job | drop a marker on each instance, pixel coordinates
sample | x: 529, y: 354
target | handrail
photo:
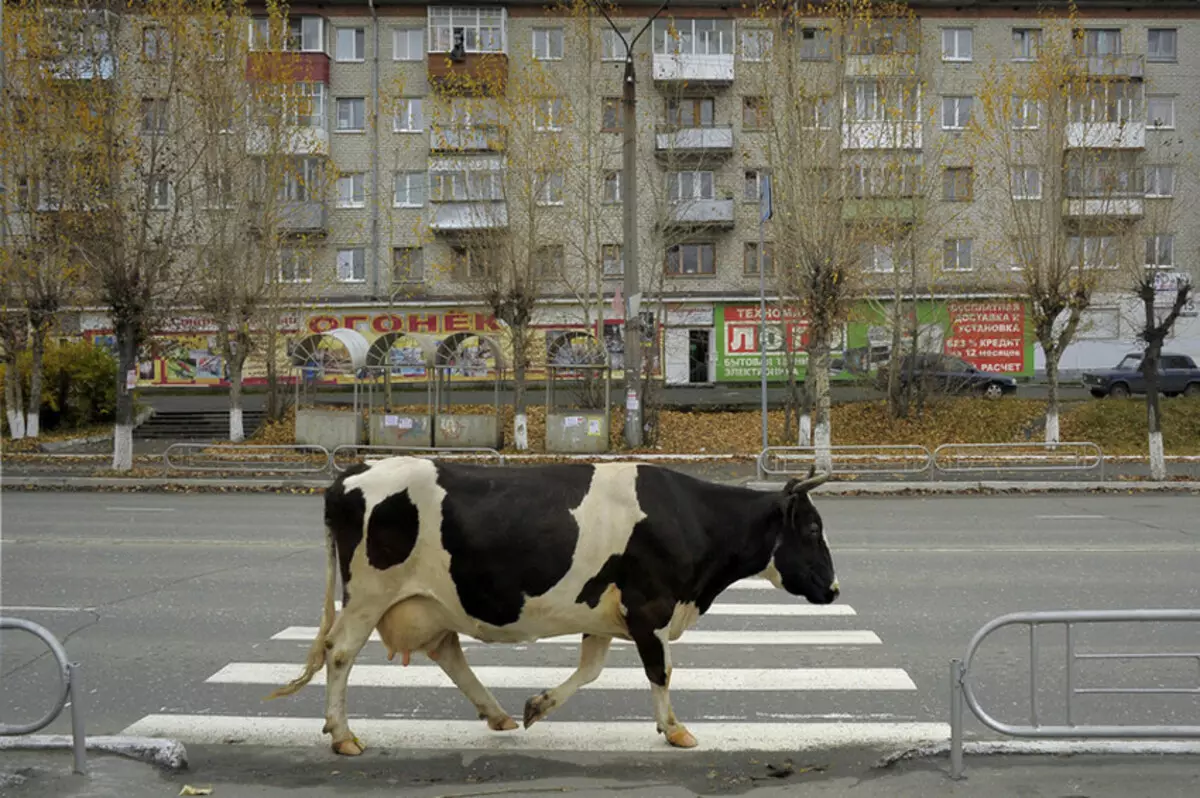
x: 251, y: 452
x: 1086, y: 456
x: 428, y: 452
x: 882, y: 453
x: 69, y: 680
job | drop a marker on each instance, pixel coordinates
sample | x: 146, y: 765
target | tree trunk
x: 520, y: 420
x: 1052, y: 356
x: 804, y: 427
x: 36, y: 371
x: 13, y: 403
x: 274, y: 411
x: 818, y: 377
x: 897, y: 397
x: 237, y: 432
x: 1158, y: 460
x: 127, y: 346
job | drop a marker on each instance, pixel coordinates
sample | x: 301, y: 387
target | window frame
x: 1156, y: 241
x: 358, y: 258
x: 340, y: 201
x: 1019, y: 178
x: 359, y: 44
x: 408, y: 252
x: 412, y: 177
x: 956, y: 32
x: 768, y: 258
x: 1157, y: 169
x: 404, y: 112
x: 957, y: 100
x: 701, y: 248
x: 1031, y: 36
x: 766, y: 44
x: 611, y: 178
x: 605, y: 260
x: 1173, y: 57
x: 1170, y: 100
x: 951, y: 177
x: 957, y: 243
x: 408, y: 31
x: 337, y: 115
x: 548, y: 36
x: 470, y: 19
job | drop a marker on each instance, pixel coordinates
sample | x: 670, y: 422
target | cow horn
x: 813, y: 480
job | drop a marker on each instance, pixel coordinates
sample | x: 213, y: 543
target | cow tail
x: 316, y: 654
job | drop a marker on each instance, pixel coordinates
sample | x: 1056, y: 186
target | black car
x: 1177, y: 374
x: 949, y: 374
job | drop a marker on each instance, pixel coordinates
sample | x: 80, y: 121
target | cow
x: 429, y: 550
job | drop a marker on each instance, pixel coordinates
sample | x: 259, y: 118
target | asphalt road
x: 186, y: 610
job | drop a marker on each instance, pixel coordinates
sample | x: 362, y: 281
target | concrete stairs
x: 196, y: 425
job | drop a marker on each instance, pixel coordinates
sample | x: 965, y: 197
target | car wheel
x: 1192, y: 391
x: 993, y: 390
x: 1099, y: 394
x: 1119, y: 391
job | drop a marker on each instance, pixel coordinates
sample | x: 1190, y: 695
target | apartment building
x: 413, y: 177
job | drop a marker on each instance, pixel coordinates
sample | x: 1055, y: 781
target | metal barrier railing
x: 428, y: 452
x: 962, y: 693
x: 1065, y: 456
x: 69, y: 677
x: 861, y: 459
x: 283, y: 458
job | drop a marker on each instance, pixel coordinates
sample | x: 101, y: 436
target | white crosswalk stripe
x: 747, y: 667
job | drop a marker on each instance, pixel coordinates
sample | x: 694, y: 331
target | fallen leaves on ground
x: 1118, y: 426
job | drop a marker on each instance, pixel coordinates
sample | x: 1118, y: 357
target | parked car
x: 949, y: 374
x: 1177, y: 374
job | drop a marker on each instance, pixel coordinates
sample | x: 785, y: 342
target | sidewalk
x: 234, y: 772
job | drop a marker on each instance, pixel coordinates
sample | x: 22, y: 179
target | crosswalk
x: 755, y: 674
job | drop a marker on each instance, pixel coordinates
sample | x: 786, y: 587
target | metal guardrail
x: 860, y: 459
x: 428, y: 452
x: 69, y: 678
x: 1066, y: 456
x: 303, y: 459
x: 962, y: 693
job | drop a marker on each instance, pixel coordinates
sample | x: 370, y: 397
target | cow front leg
x: 349, y: 634
x: 655, y: 653
x: 449, y: 655
x: 592, y: 654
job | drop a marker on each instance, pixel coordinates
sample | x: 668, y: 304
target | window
x: 1096, y: 252
x: 408, y: 44
x: 547, y: 44
x: 1024, y: 254
x: 309, y: 105
x: 957, y: 44
x: 548, y: 260
x: 956, y: 112
x: 956, y: 255
x: 408, y: 265
x: 1160, y: 251
x: 750, y: 258
x: 351, y: 114
x: 470, y: 262
x: 1105, y: 177
x: 351, y: 44
x: 692, y: 259
x: 160, y: 193
x: 302, y: 181
x: 154, y: 117
x: 691, y: 112
x: 154, y: 43
x: 409, y: 116
x: 1027, y: 113
x: 1107, y: 102
x: 465, y: 185
x: 816, y: 113
x: 550, y: 188
x: 475, y: 30
x: 958, y: 183
x: 1026, y: 182
x: 1161, y: 45
x: 352, y: 265
x: 1160, y: 111
x: 1160, y: 181
x: 878, y: 258
x: 303, y: 34
x: 756, y: 44
x: 352, y: 190
x: 218, y: 189
x: 693, y: 36
x: 550, y: 114
x: 754, y: 113
x: 294, y: 267
x: 814, y: 44
x: 689, y: 186
x: 408, y: 190
x: 1027, y: 44
x: 612, y: 115
x: 1100, y: 41
x: 611, y: 192
x: 612, y: 46
x: 754, y: 183
x: 878, y: 101
x: 612, y: 261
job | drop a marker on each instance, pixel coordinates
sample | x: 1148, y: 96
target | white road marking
x: 694, y: 637
x: 1069, y: 517
x: 765, y: 610
x: 550, y: 735
x: 140, y: 509
x: 44, y: 609
x: 538, y: 678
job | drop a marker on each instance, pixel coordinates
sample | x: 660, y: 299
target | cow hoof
x: 502, y: 724
x: 536, y: 708
x: 681, y: 738
x: 351, y: 747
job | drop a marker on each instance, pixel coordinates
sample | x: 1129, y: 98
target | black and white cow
x: 431, y: 550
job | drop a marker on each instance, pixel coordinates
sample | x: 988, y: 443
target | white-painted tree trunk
x: 823, y: 439
x: 521, y: 431
x: 123, y: 447
x: 16, y: 424
x: 1158, y: 460
x: 31, y: 423
x: 804, y: 437
x: 237, y: 432
x: 1052, y: 425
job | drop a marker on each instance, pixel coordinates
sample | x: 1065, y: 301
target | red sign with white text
x: 988, y: 335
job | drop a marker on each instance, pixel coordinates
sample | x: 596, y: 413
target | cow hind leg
x: 655, y: 653
x: 449, y: 655
x: 349, y: 634
x: 591, y: 662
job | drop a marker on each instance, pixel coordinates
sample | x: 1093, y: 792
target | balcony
x: 1128, y: 135
x: 1125, y: 206
x: 1129, y: 67
x: 303, y: 217
x: 868, y: 209
x: 886, y: 135
x: 710, y: 140
x: 474, y: 75
x: 287, y: 67
x: 466, y: 138
x: 701, y: 213
x: 883, y: 65
x: 293, y: 140
x: 450, y: 217
x: 101, y: 67
x: 705, y: 70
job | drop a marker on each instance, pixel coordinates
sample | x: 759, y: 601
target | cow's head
x: 801, y: 563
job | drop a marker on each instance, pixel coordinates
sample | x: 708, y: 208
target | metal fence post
x: 78, y: 740
x: 956, y: 719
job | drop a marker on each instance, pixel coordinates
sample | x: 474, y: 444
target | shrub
x: 79, y: 387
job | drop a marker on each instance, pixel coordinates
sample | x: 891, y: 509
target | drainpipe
x: 377, y: 192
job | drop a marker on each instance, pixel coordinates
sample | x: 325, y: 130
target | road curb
x: 159, y: 751
x: 1047, y: 747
